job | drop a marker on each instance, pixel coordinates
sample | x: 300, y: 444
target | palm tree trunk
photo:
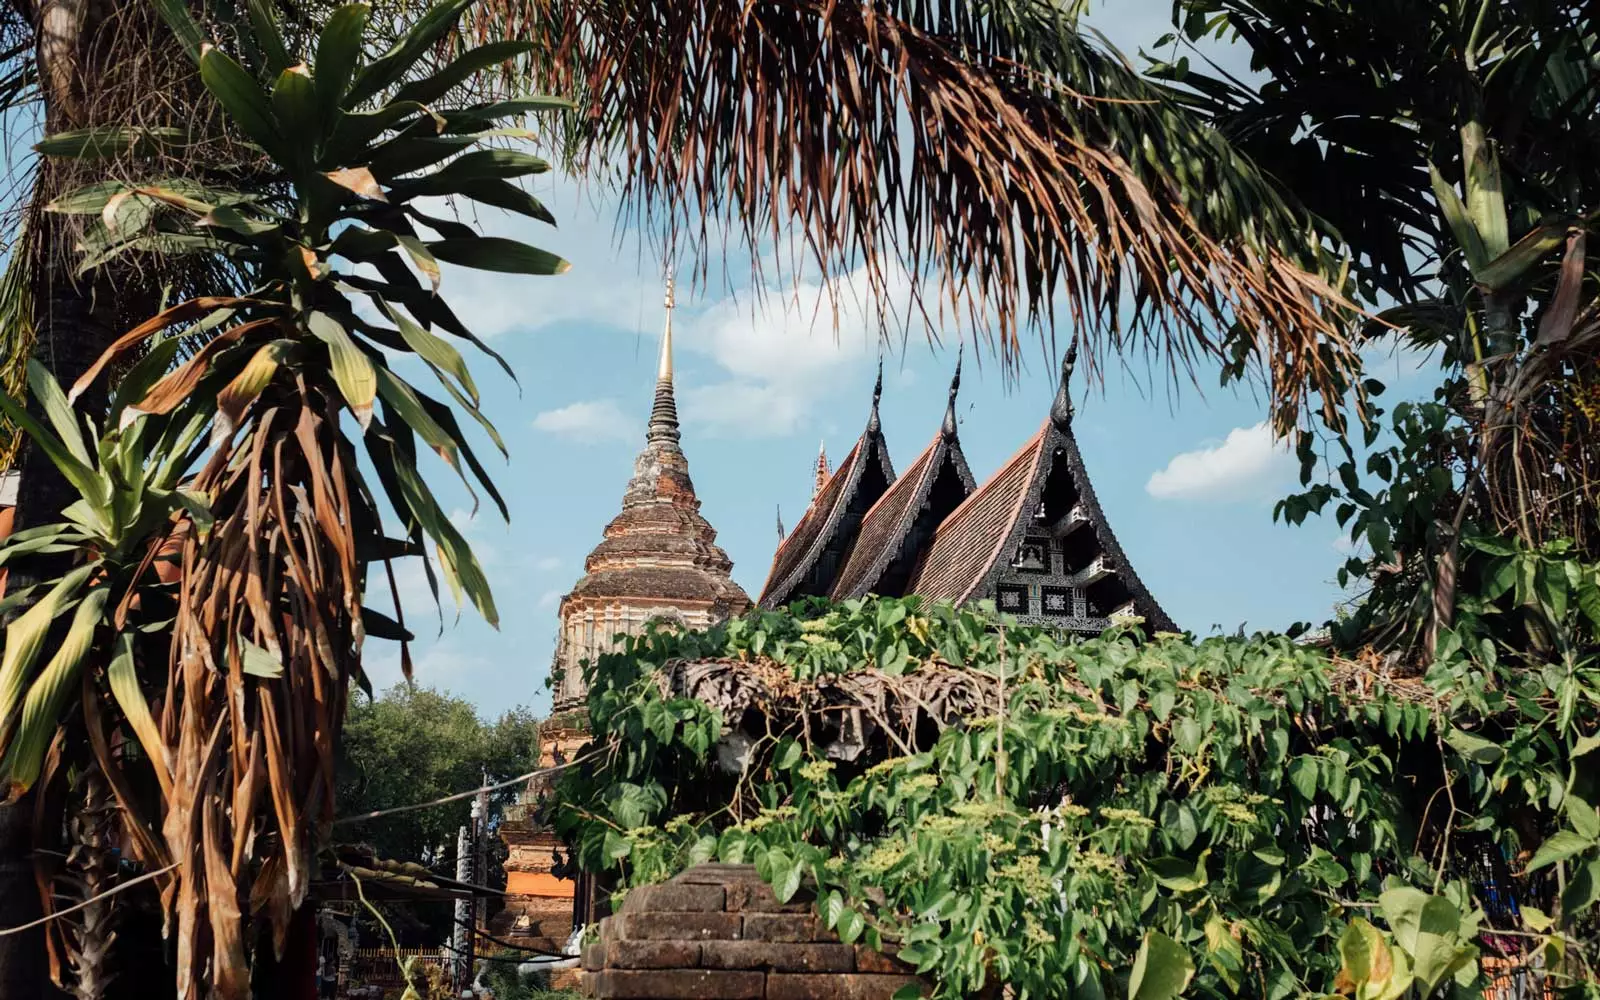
x: 73, y: 324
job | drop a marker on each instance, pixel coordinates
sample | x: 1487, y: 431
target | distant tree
x: 413, y: 745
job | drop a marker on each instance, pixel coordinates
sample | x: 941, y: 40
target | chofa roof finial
x: 1061, y: 409
x: 949, y: 428
x: 874, y: 425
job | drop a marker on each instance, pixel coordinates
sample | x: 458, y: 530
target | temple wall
x: 589, y: 629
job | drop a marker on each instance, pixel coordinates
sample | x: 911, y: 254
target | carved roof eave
x: 870, y: 448
x: 946, y: 449
x: 1053, y: 438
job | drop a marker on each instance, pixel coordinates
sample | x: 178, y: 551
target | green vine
x: 1230, y: 817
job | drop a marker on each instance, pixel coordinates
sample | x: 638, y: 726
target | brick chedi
x: 659, y: 559
x: 657, y: 562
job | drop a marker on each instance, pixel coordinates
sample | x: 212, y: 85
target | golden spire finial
x: 665, y: 372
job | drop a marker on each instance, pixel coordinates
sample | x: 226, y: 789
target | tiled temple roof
x: 880, y: 561
x: 970, y: 539
x: 810, y: 557
x: 971, y: 549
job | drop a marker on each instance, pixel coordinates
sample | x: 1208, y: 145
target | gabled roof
x: 935, y: 484
x: 808, y: 560
x: 970, y: 549
x: 970, y: 540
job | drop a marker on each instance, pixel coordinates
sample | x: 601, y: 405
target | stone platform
x: 717, y: 932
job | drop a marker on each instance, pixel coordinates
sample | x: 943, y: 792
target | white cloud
x: 547, y: 564
x: 550, y: 598
x: 1347, y: 546
x: 782, y: 353
x: 589, y: 420
x: 744, y: 409
x: 1249, y: 465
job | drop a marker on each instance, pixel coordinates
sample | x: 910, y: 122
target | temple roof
x: 1044, y: 481
x: 885, y: 550
x: 808, y: 560
x: 971, y: 539
x: 659, y: 547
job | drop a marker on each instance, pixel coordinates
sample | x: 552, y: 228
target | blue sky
x: 1188, y: 478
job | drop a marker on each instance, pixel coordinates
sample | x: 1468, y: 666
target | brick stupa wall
x: 717, y: 932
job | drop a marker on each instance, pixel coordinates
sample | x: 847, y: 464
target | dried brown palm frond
x: 273, y: 587
x: 989, y: 152
x: 1541, y: 468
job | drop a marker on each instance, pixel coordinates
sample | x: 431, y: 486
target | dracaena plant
x: 232, y: 450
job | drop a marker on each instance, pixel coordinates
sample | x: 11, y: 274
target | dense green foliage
x: 1232, y: 810
x: 413, y: 745
x: 1450, y: 146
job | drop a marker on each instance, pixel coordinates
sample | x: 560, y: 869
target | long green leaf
x: 1506, y: 269
x: 429, y: 347
x: 42, y: 710
x: 124, y: 682
x: 473, y: 119
x: 352, y: 369
x: 496, y: 253
x: 468, y: 63
x: 456, y: 556
x: 25, y: 637
x: 355, y: 132
x: 1461, y: 224
x: 473, y: 168
x: 446, y: 419
x: 83, y: 478
x: 264, y: 25
x: 394, y: 64
x: 108, y: 142
x: 409, y: 153
x: 402, y: 402
x: 338, y: 51
x: 295, y: 103
x: 243, y: 99
x: 176, y: 14
x: 58, y: 411
x: 504, y: 194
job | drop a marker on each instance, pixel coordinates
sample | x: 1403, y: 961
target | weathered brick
x: 868, y: 960
x: 681, y: 984
x: 758, y: 896
x: 669, y: 898
x: 594, y: 956
x: 677, y: 926
x: 717, y: 874
x: 856, y: 986
x: 781, y: 957
x: 653, y: 954
x: 784, y: 927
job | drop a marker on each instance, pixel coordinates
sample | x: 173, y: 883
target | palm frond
x: 992, y: 153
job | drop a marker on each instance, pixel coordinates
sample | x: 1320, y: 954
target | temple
x: 1033, y: 539
x: 810, y: 558
x: 657, y: 561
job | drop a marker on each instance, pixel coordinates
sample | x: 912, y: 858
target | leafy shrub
x: 1230, y: 817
